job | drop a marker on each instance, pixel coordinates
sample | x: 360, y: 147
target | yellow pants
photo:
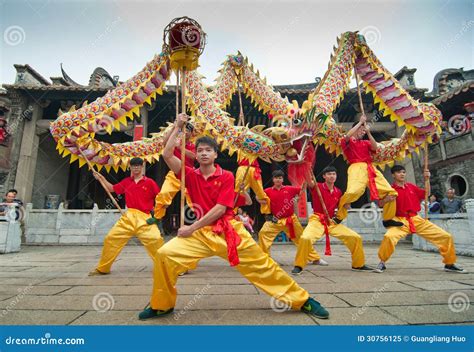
x: 425, y: 229
x: 133, y: 222
x: 357, y: 181
x: 181, y: 254
x: 270, y: 230
x: 170, y: 187
x: 315, y: 230
x: 255, y: 185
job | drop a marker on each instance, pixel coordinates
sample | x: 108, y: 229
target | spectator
x: 247, y: 221
x: 8, y: 203
x: 434, y: 207
x: 15, y: 192
x: 238, y: 216
x: 450, y: 204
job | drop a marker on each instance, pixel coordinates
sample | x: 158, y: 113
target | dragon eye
x: 297, y: 121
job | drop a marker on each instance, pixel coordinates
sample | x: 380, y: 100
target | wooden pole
x: 427, y: 180
x: 183, y: 146
x: 100, y: 181
x: 320, y: 197
x: 361, y: 104
x: 241, y: 111
x: 323, y: 205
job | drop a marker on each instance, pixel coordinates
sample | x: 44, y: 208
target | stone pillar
x: 25, y: 172
x: 469, y: 204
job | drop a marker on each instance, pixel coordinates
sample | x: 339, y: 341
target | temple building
x: 30, y: 163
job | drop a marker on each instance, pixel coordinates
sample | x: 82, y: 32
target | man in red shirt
x: 140, y: 192
x: 408, y: 205
x: 361, y: 173
x: 283, y: 217
x: 319, y: 225
x: 172, y: 185
x: 216, y: 232
x: 250, y: 176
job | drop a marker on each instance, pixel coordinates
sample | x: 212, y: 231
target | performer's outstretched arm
x: 214, y: 214
x: 373, y: 142
x: 353, y: 130
x: 97, y: 176
x: 248, y: 200
x: 173, y: 162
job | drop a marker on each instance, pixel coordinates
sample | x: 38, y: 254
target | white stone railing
x: 459, y: 225
x: 89, y: 227
x: 68, y: 226
x: 10, y: 236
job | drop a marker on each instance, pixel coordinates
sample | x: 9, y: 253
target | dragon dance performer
x: 319, y: 224
x: 361, y: 173
x: 249, y: 174
x: 283, y: 217
x: 140, y: 192
x: 408, y: 205
x: 171, y: 185
x: 216, y: 233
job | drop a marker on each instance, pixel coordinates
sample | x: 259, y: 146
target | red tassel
x: 328, y: 245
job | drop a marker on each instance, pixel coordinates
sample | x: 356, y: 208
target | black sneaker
x: 315, y: 308
x: 149, y: 313
x: 380, y: 268
x: 392, y: 223
x: 453, y: 268
x: 363, y: 268
x: 297, y: 270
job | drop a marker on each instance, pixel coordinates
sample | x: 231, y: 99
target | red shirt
x: 240, y: 200
x: 140, y: 195
x: 205, y: 194
x: 245, y: 162
x: 408, y: 199
x: 331, y: 199
x: 356, y: 150
x: 188, y: 161
x: 282, y: 200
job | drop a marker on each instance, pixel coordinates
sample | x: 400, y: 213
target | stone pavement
x: 49, y: 285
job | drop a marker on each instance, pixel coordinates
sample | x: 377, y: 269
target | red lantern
x: 184, y: 40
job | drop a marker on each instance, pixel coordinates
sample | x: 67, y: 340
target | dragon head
x: 296, y: 130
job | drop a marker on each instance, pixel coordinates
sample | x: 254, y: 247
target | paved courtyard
x: 49, y: 285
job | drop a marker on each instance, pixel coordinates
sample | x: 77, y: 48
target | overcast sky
x: 288, y: 41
